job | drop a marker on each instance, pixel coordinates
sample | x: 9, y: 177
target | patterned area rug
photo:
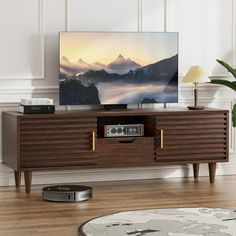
x: 164, y: 222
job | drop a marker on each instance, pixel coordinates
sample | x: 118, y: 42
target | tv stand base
x: 211, y: 168
x: 75, y: 140
x: 28, y: 176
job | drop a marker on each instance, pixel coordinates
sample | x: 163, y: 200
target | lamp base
x: 196, y: 108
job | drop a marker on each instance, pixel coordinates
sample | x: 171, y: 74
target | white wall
x: 29, y: 54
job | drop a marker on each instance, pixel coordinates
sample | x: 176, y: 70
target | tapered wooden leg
x: 212, y: 171
x: 17, y: 175
x: 28, y: 180
x: 196, y: 170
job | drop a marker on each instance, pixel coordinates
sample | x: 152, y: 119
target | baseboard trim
x: 81, y: 176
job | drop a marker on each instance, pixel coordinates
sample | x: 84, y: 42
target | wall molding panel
x: 153, y: 18
x: 52, y: 88
x: 180, y: 15
x: 42, y: 23
x: 165, y: 15
x: 104, y: 15
x: 41, y: 36
x: 140, y: 16
x: 67, y: 15
x: 30, y: 90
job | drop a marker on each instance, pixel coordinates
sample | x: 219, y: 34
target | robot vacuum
x: 67, y: 193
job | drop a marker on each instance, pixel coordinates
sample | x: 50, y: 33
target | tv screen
x: 110, y: 68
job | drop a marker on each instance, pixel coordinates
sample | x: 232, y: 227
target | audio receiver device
x: 126, y: 130
x: 67, y: 193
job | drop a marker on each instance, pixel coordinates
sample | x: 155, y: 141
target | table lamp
x: 195, y: 75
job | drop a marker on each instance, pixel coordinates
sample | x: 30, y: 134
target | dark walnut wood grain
x: 75, y: 140
x: 198, y: 137
x: 56, y: 141
x: 131, y: 151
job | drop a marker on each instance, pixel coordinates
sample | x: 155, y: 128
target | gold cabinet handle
x: 93, y: 141
x: 162, y: 138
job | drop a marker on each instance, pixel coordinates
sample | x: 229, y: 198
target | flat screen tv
x: 110, y: 68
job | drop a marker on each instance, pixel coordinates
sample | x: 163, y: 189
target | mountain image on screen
x: 122, y: 81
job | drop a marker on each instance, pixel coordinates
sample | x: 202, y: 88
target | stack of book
x: 36, y: 106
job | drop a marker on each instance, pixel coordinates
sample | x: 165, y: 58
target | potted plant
x: 230, y: 84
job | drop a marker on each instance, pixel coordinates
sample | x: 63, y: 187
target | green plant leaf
x: 234, y: 115
x: 227, y: 83
x: 228, y: 67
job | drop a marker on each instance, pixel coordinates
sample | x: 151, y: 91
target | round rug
x: 164, y: 222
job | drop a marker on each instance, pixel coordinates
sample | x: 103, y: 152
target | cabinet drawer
x: 125, y: 151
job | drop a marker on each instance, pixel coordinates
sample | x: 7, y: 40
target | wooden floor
x: 27, y: 214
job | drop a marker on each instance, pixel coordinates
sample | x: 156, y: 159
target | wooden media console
x: 73, y: 140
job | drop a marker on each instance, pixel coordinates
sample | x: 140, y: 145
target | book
x: 36, y: 101
x: 36, y: 109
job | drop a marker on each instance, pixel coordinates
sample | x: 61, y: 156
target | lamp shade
x: 195, y: 75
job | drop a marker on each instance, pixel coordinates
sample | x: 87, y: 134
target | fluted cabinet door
x: 57, y: 141
x: 196, y: 136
